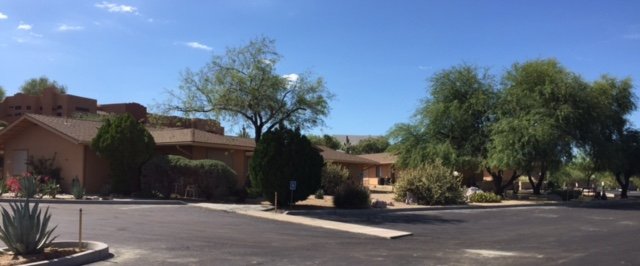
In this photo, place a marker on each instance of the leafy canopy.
(243, 85)
(36, 86)
(127, 145)
(281, 156)
(325, 140)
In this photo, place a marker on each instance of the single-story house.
(70, 140)
(383, 172)
(353, 163)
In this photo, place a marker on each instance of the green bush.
(214, 179)
(350, 196)
(50, 188)
(28, 186)
(333, 176)
(567, 194)
(485, 197)
(25, 231)
(281, 156)
(430, 184)
(76, 188)
(319, 194)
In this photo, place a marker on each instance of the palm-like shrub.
(28, 186)
(25, 231)
(76, 188)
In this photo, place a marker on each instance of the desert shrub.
(281, 156)
(13, 184)
(350, 196)
(26, 231)
(50, 188)
(333, 176)
(44, 167)
(567, 194)
(214, 179)
(430, 184)
(484, 197)
(28, 186)
(76, 188)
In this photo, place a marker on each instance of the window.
(19, 162)
(18, 107)
(59, 106)
(378, 171)
(59, 114)
(28, 107)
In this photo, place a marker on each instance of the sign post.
(292, 188)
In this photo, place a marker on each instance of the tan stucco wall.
(235, 159)
(39, 142)
(96, 172)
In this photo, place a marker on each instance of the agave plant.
(28, 186)
(26, 230)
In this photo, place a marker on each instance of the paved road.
(186, 235)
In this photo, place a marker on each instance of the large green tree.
(452, 125)
(36, 86)
(243, 85)
(3, 93)
(539, 117)
(126, 145)
(281, 156)
(325, 140)
(370, 145)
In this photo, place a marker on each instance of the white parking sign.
(292, 185)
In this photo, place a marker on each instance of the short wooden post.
(276, 203)
(80, 231)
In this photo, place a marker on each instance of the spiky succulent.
(25, 231)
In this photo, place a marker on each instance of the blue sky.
(376, 56)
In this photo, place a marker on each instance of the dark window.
(59, 114)
(59, 106)
(28, 107)
(18, 107)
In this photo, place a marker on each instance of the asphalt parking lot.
(187, 235)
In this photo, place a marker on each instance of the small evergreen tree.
(281, 156)
(126, 144)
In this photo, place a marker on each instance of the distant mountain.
(353, 139)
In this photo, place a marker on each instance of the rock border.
(96, 251)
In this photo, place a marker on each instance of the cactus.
(76, 188)
(26, 231)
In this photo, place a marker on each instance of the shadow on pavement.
(384, 218)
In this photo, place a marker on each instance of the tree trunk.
(538, 188)
(532, 183)
(496, 180)
(514, 176)
(257, 131)
(624, 184)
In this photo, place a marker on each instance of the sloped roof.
(83, 131)
(167, 136)
(337, 156)
(381, 158)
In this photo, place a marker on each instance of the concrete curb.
(104, 202)
(261, 212)
(97, 251)
(340, 226)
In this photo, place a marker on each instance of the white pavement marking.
(147, 206)
(498, 253)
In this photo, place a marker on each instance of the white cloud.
(65, 27)
(3, 16)
(632, 36)
(197, 45)
(293, 77)
(116, 8)
(24, 26)
(425, 67)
